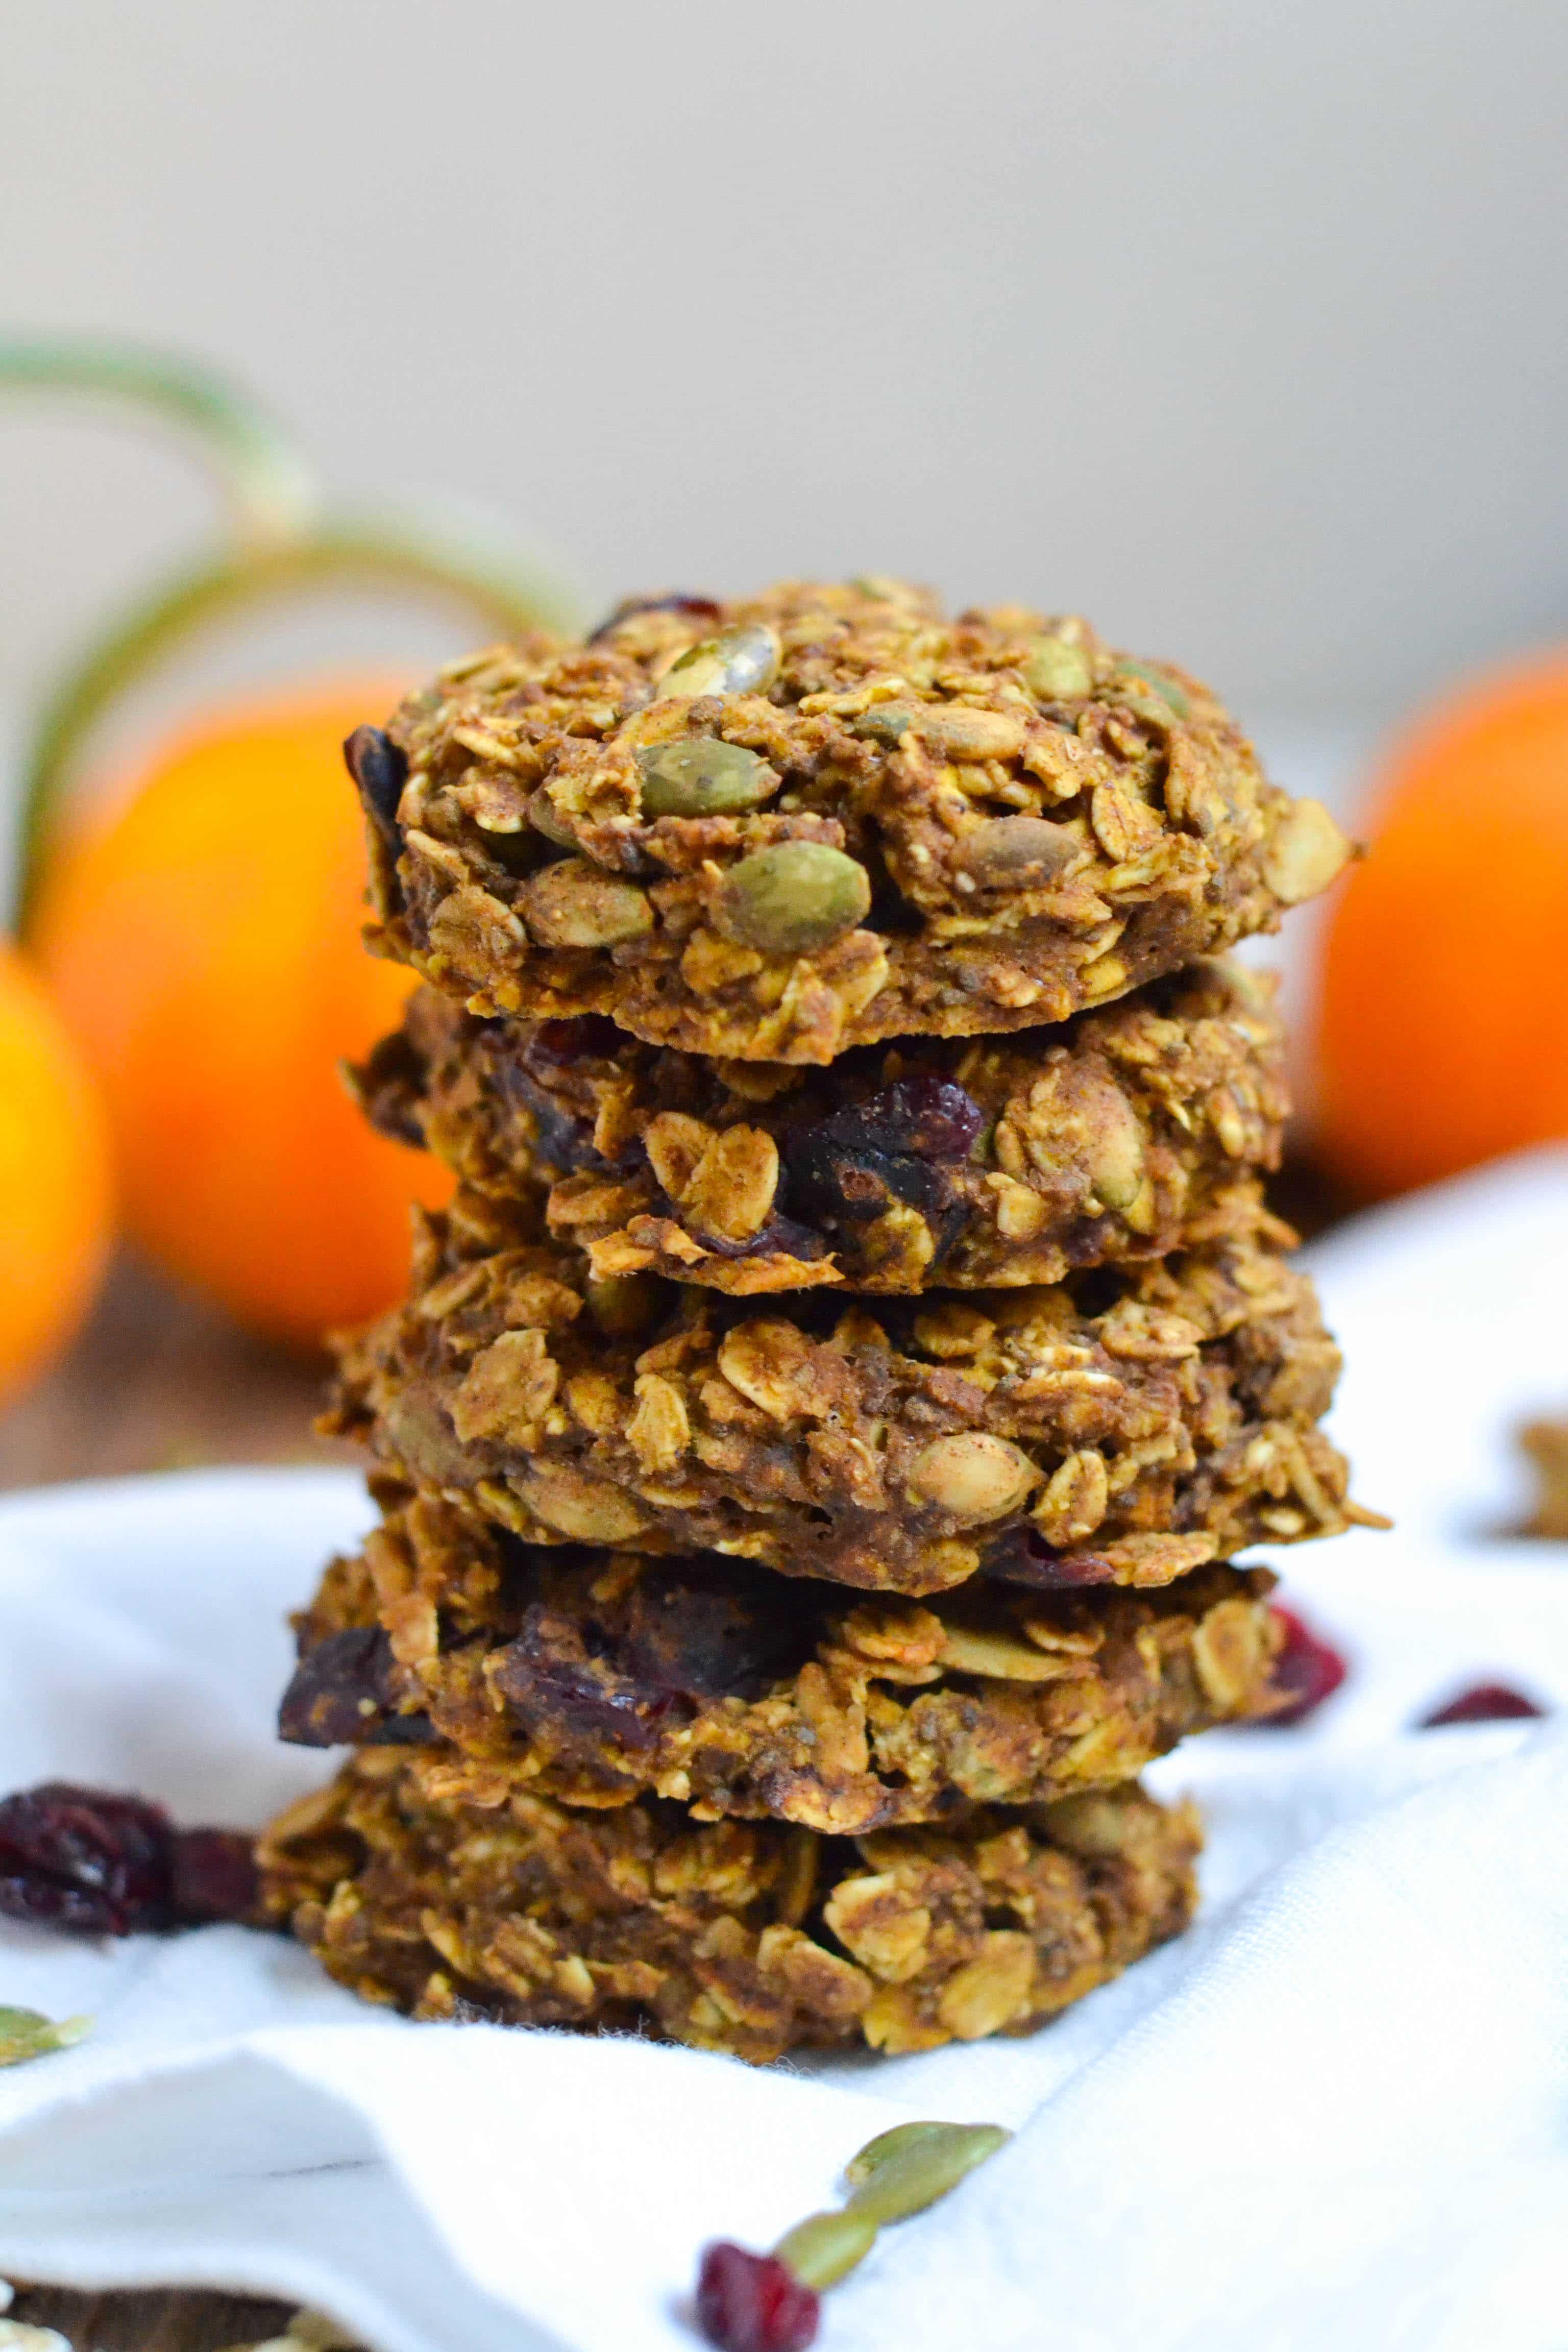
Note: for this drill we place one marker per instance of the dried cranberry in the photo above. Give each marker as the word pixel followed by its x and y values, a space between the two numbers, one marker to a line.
pixel 783 1237
pixel 674 1638
pixel 560 1117
pixel 389 1086
pixel 776 1236
pixel 560 1138
pixel 89 1860
pixel 523 1564
pixel 1022 1556
pixel 751 2302
pixel 923 1115
pixel 1482 1703
pixel 1308 1670
pixel 857 1187
pixel 697 1633
pixel 931 1117
pixel 892 1150
pixel 551 1681
pixel 380 770
pixel 695 608
pixel 555 1044
pixel 342 1694
pixel 214 1877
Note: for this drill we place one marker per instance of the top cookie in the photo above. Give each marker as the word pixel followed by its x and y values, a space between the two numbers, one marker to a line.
pixel 820 817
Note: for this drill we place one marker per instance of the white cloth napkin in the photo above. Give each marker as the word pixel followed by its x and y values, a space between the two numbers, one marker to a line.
pixel 1335 2113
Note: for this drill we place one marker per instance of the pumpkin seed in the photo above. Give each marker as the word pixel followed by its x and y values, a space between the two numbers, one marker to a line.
pixel 546 818
pixel 1058 671
pixel 1015 853
pixel 622 1305
pixel 951 729
pixel 575 904
pixel 793 898
pixel 700 775
pixel 825 2247
pixel 915 2175
pixel 885 722
pixel 741 660
pixel 973 1476
pixel 1165 688
pixel 885 2147
pixel 27 2033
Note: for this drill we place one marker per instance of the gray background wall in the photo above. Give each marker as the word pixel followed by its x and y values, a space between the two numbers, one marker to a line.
pixel 1240 324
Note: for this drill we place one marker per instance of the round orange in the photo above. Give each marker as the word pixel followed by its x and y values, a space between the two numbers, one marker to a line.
pixel 56 1195
pixel 1443 1038
pixel 202 942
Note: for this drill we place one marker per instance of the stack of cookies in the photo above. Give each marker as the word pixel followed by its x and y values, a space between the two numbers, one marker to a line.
pixel 815 1450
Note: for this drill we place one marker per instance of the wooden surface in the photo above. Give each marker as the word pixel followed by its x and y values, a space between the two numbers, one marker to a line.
pixel 159 1380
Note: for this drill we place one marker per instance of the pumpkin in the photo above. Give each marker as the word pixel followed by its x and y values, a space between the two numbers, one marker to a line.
pixel 1443 1035
pixel 56 1194
pixel 202 940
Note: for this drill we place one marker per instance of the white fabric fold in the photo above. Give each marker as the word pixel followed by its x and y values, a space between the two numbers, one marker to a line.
pixel 1335 2112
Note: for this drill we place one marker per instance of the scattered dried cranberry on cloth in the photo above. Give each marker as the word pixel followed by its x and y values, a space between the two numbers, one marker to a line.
pixel 1481 1703
pixel 751 2302
pixel 1308 1670
pixel 96 1862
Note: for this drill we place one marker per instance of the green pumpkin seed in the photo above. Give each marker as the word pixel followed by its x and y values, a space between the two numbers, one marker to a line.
pixel 885 722
pixel 700 775
pixel 622 1305
pixel 545 818
pixel 885 2147
pixel 1165 688
pixel 741 660
pixel 917 2175
pixel 1058 671
pixel 825 2247
pixel 793 898
pixel 27 2033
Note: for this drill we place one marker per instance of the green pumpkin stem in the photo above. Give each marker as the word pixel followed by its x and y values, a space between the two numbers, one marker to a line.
pixel 271 491
pixel 486 578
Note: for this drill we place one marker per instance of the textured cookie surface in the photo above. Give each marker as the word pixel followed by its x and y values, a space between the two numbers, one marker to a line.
pixel 820 817
pixel 966 1162
pixel 1123 1427
pixel 597 1677
pixel 745 1936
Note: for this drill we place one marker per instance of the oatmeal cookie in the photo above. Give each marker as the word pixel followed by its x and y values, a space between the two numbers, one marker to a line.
pixel 818 818
pixel 599 1676
pixel 751 1938
pixel 970 1162
pixel 1123 1427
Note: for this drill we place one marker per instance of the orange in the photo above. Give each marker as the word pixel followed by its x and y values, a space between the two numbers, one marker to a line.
pixel 55 1207
pixel 1444 1032
pixel 202 942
